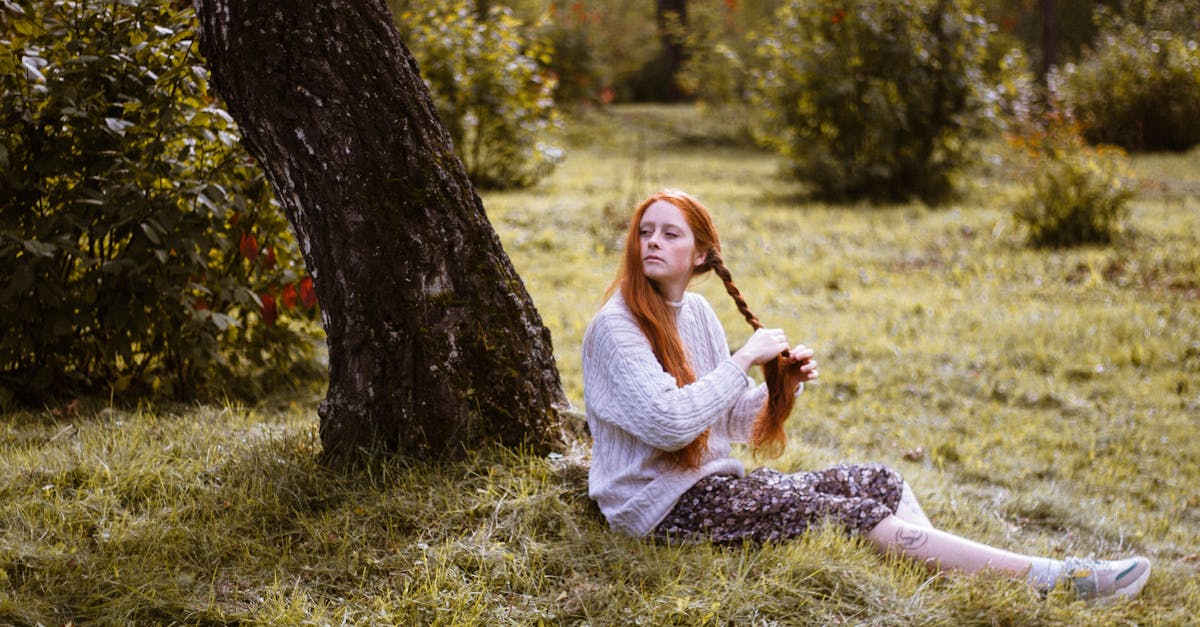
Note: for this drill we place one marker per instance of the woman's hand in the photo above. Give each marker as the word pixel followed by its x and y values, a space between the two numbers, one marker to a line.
pixel 763 346
pixel 801 357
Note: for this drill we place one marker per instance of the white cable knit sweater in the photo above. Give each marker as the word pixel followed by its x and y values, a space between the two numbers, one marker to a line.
pixel 635 411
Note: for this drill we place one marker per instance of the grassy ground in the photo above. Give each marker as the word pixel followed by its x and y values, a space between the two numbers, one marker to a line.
pixel 1044 401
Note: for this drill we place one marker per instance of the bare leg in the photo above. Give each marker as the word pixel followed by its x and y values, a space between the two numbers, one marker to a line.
pixel 944 551
pixel 941 551
pixel 909 509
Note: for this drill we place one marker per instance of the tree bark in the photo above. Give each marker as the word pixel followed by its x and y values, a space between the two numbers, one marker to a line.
pixel 434 344
pixel 672 22
pixel 1049 11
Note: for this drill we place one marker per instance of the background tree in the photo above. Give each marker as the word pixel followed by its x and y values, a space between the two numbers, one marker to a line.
pixel 1049 15
pixel 1050 32
pixel 672 19
pixel 434 344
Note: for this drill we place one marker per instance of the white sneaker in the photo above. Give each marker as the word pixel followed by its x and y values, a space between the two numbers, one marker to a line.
pixel 1107 580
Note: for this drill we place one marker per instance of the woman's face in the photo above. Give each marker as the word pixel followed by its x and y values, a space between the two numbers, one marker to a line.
pixel 668 248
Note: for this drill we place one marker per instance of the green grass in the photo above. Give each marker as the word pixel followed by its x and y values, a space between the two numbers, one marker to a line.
pixel 1043 401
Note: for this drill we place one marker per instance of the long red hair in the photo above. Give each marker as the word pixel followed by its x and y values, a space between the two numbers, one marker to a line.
pixel 657 321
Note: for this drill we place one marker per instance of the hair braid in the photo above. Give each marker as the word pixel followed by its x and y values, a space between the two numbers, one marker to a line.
pixel 781 374
pixel 717 265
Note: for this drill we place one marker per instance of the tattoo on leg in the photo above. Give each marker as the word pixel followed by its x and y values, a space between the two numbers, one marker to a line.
pixel 911 539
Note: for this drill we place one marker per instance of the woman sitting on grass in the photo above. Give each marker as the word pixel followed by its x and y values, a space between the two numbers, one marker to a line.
pixel 665 400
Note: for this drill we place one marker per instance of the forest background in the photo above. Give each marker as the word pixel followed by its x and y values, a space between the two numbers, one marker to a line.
pixel 1022 346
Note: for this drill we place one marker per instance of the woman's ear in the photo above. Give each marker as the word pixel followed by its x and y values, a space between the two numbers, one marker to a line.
pixel 701 258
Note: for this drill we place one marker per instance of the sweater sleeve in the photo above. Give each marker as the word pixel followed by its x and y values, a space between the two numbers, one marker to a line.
pixel 626 385
pixel 751 400
pixel 741 417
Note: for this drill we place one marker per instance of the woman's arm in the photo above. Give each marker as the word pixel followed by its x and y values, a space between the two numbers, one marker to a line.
pixel 741 416
pixel 626 385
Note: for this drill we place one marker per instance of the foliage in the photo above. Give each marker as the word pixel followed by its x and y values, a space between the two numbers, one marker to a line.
pixel 1078 194
pixel 720 44
pixel 1040 400
pixel 140 249
pixel 1139 87
pixel 1021 22
pixel 572 30
pixel 874 99
pixel 605 51
pixel 487 75
pixel 601 47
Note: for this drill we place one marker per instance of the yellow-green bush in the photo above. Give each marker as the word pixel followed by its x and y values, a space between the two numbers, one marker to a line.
pixel 1078 194
pixel 874 99
pixel 487 74
pixel 1139 86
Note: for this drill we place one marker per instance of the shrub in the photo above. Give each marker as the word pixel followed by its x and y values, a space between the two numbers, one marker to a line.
pixel 487 76
pixel 1078 194
pixel 1139 88
pixel 874 99
pixel 140 250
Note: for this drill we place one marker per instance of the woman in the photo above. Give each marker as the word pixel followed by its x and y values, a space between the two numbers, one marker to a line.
pixel 665 400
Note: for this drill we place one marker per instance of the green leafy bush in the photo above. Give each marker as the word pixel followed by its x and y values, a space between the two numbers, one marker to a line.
pixel 140 249
pixel 488 80
pixel 1139 87
pixel 1078 194
pixel 874 99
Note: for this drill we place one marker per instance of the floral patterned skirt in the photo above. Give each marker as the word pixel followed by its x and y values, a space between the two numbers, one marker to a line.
pixel 768 505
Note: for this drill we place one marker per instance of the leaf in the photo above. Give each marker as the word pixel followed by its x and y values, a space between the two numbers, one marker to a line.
pixel 248 246
pixel 22 279
pixel 122 383
pixel 245 296
pixel 151 233
pixel 115 266
pixel 117 125
pixel 308 296
pixel 287 298
pixel 223 321
pixel 269 312
pixel 33 67
pixel 40 249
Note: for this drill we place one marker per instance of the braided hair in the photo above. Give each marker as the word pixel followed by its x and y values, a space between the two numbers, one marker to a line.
pixel 782 375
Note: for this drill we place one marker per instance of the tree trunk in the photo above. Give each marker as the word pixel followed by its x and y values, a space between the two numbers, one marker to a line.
pixel 672 21
pixel 1049 11
pixel 434 344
